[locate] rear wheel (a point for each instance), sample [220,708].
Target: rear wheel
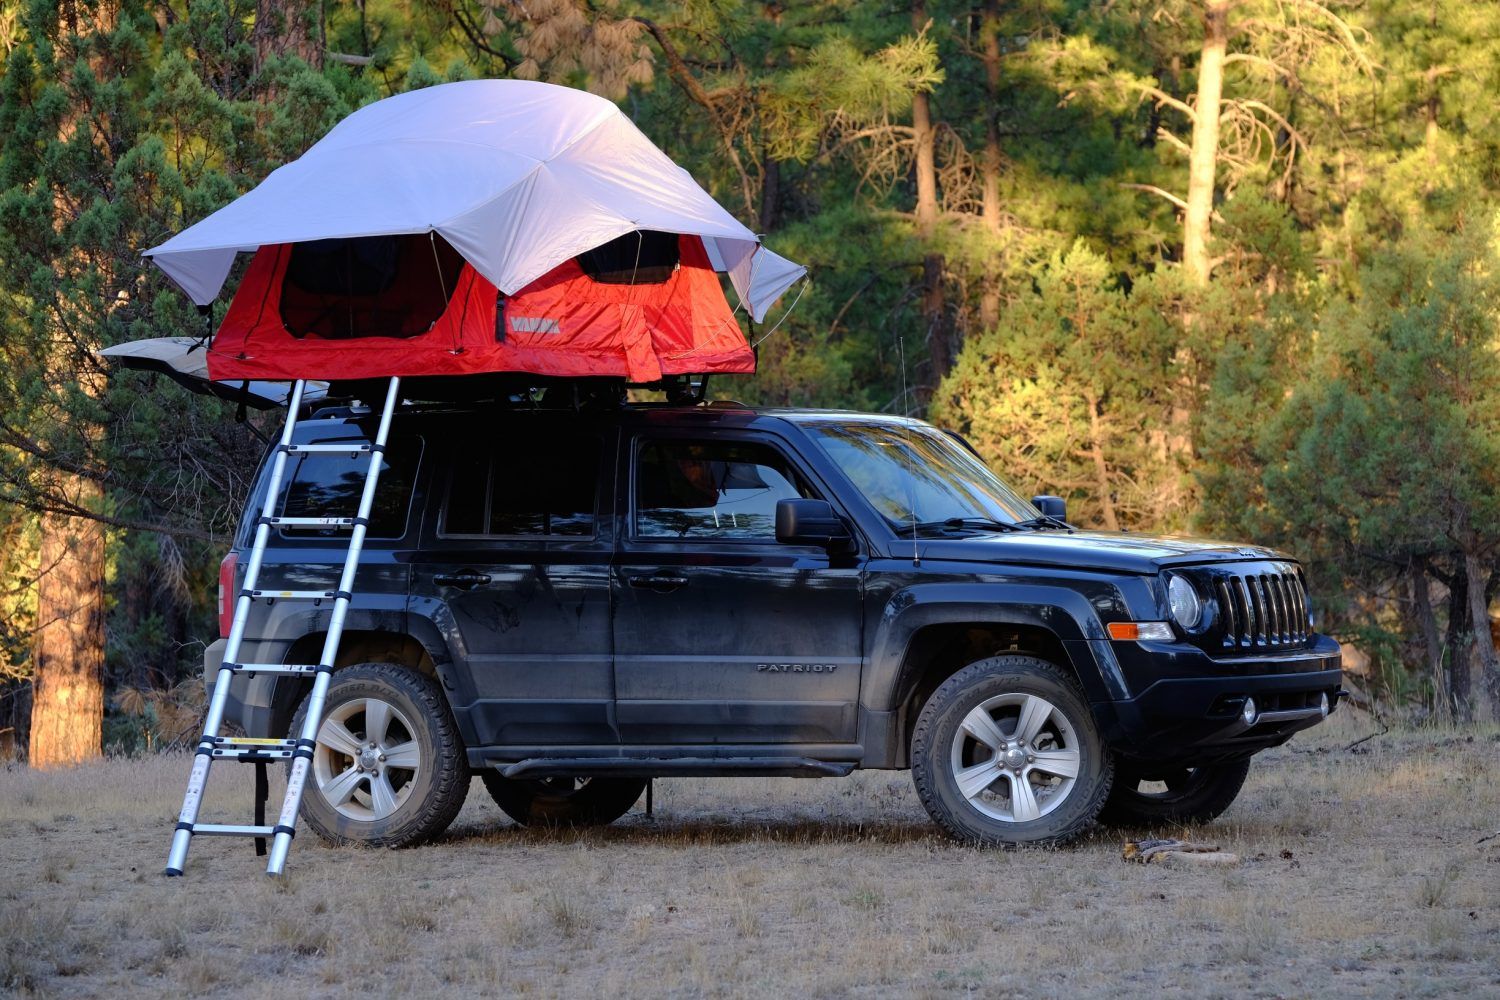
[563,801]
[388,769]
[1176,795]
[1006,752]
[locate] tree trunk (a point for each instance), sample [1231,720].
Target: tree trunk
[1101,467]
[288,27]
[934,319]
[1432,646]
[1460,638]
[1204,157]
[770,193]
[67,704]
[989,298]
[1484,640]
[67,709]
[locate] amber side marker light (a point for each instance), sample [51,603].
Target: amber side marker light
[1130,631]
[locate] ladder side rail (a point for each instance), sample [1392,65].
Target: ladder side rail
[296,780]
[214,718]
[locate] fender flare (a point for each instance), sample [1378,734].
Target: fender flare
[1063,612]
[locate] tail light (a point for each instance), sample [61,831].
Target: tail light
[226,589]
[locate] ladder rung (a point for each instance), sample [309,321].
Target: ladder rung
[312,522]
[272,668]
[252,748]
[328,449]
[231,830]
[294,595]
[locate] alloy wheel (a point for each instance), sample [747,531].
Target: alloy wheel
[1015,757]
[366,758]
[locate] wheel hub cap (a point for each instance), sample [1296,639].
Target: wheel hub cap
[369,758]
[1014,757]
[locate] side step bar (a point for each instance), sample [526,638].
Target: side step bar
[675,767]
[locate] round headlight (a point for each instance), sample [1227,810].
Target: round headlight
[1187,609]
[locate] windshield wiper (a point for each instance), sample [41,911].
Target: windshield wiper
[964,524]
[1043,522]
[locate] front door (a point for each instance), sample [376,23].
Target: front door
[515,566]
[722,635]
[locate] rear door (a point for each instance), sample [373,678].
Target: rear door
[514,567]
[722,635]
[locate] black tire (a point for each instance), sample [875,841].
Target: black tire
[1192,795]
[938,752]
[563,801]
[428,796]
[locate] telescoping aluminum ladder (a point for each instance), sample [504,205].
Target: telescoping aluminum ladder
[299,747]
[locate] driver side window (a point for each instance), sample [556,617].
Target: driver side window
[711,489]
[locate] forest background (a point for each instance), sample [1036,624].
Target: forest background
[1220,266]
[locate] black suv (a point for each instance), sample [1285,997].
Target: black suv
[572,600]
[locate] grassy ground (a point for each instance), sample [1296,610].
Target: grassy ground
[1362,877]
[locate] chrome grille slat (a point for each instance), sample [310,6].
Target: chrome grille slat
[1226,604]
[1279,616]
[1285,586]
[1262,626]
[1249,605]
[1301,595]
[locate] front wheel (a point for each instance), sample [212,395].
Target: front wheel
[1175,795]
[1006,752]
[563,801]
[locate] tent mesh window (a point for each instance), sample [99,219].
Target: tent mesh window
[368,286]
[644,257]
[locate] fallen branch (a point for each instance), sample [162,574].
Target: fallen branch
[1490,837]
[1383,730]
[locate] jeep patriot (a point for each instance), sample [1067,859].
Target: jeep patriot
[570,600]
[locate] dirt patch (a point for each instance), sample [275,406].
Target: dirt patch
[1361,877]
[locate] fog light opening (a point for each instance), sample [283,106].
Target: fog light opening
[1250,712]
[1323,705]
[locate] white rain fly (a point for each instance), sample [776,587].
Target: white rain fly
[517,176]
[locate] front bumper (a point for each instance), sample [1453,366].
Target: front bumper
[1189,714]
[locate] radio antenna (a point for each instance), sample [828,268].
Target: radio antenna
[911,457]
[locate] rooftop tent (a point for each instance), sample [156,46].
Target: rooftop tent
[480,226]
[639,307]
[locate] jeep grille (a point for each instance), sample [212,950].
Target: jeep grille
[1264,610]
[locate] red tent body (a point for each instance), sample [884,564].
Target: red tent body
[410,305]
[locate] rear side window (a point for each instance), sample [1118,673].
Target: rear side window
[330,485]
[535,482]
[711,489]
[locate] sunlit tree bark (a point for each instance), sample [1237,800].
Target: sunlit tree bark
[1203,158]
[68,657]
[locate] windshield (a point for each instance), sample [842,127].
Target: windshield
[914,474]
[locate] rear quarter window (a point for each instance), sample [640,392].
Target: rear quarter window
[330,485]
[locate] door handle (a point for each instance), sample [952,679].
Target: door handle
[466,579]
[659,582]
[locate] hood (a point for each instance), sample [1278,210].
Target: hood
[1118,551]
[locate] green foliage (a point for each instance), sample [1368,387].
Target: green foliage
[1071,392]
[1333,390]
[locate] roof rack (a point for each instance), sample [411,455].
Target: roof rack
[519,391]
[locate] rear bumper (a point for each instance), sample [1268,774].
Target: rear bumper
[250,696]
[1196,719]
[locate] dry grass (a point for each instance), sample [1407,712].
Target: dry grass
[1362,878]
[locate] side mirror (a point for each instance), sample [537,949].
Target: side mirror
[1051,506]
[810,522]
